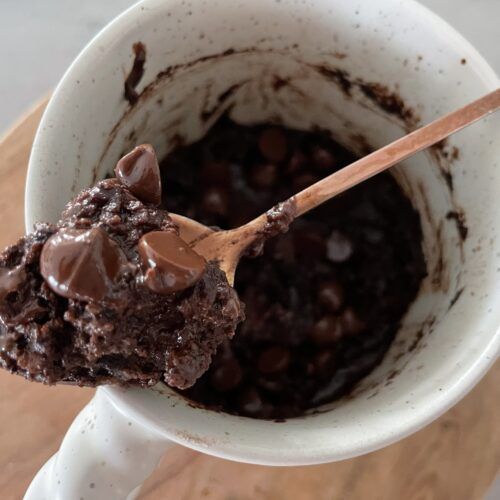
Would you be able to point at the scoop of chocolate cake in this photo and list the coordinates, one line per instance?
(111, 293)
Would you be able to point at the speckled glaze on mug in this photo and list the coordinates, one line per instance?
(366, 71)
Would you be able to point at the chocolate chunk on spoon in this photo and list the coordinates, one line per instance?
(81, 264)
(171, 265)
(139, 172)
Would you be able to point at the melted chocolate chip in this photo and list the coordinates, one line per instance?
(227, 376)
(264, 175)
(304, 180)
(215, 172)
(250, 402)
(81, 265)
(273, 360)
(323, 159)
(323, 362)
(297, 161)
(273, 144)
(309, 245)
(351, 323)
(327, 330)
(331, 296)
(215, 201)
(171, 265)
(139, 171)
(338, 247)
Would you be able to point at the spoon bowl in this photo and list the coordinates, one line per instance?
(225, 247)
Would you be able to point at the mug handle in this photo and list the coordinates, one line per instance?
(104, 454)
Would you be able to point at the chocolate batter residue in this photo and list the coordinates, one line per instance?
(136, 73)
(381, 95)
(278, 221)
(459, 218)
(279, 218)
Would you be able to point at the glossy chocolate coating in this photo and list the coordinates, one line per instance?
(139, 171)
(80, 264)
(171, 265)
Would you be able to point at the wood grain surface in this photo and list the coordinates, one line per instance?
(456, 457)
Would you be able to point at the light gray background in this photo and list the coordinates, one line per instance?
(39, 39)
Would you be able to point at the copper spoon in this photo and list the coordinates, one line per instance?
(227, 247)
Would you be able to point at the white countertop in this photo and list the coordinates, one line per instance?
(39, 39)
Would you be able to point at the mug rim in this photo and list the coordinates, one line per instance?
(126, 401)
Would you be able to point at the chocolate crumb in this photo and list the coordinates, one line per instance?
(455, 298)
(339, 76)
(459, 218)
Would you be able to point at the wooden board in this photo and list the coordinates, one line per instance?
(456, 457)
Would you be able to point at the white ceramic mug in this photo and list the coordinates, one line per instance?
(366, 71)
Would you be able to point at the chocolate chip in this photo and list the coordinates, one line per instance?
(324, 362)
(326, 330)
(227, 376)
(339, 248)
(80, 264)
(215, 172)
(282, 248)
(250, 402)
(273, 360)
(263, 175)
(331, 295)
(273, 144)
(215, 201)
(304, 180)
(351, 323)
(373, 235)
(170, 264)
(139, 171)
(271, 384)
(296, 162)
(323, 159)
(309, 244)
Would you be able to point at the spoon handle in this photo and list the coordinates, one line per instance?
(396, 151)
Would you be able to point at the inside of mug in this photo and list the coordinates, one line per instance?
(283, 88)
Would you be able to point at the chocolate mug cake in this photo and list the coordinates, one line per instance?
(112, 294)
